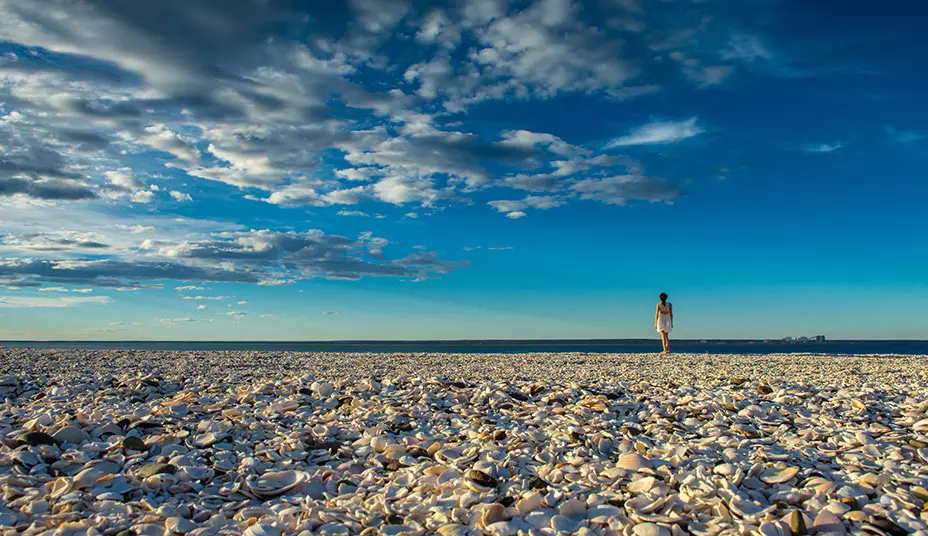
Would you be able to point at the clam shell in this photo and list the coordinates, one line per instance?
(274, 484)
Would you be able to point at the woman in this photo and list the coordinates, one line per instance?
(663, 321)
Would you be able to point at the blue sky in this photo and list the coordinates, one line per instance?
(393, 169)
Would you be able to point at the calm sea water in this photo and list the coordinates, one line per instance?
(491, 347)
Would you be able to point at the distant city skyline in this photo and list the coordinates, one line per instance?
(474, 169)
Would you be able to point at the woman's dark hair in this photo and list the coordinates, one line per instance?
(663, 297)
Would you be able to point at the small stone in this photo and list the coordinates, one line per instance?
(738, 381)
(536, 483)
(764, 389)
(69, 434)
(133, 443)
(482, 478)
(157, 469)
(36, 438)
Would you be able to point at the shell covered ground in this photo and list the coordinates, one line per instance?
(143, 442)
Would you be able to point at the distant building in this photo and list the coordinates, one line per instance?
(819, 338)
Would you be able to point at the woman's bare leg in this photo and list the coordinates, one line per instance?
(665, 342)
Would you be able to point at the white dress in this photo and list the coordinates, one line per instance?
(664, 323)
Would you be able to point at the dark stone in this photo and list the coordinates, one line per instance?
(122, 423)
(499, 435)
(313, 444)
(305, 391)
(134, 443)
(394, 519)
(36, 438)
(738, 381)
(417, 452)
(764, 389)
(522, 397)
(482, 478)
(506, 501)
(888, 526)
(537, 483)
(157, 469)
(148, 425)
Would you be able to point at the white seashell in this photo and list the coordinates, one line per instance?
(564, 523)
(274, 484)
(770, 529)
(86, 478)
(921, 426)
(144, 529)
(379, 443)
(782, 476)
(529, 503)
(642, 485)
(572, 508)
(324, 389)
(262, 529)
(829, 522)
(284, 405)
(633, 461)
(650, 529)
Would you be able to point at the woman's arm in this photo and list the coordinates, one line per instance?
(671, 315)
(657, 314)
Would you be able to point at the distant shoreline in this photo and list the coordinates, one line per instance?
(605, 346)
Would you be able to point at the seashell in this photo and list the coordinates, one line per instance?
(572, 508)
(649, 529)
(492, 513)
(274, 484)
(207, 440)
(642, 485)
(633, 461)
(781, 477)
(86, 478)
(921, 426)
(379, 443)
(564, 524)
(262, 529)
(528, 503)
(770, 529)
(827, 521)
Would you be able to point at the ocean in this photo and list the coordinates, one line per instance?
(615, 346)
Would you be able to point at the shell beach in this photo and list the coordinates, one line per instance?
(269, 444)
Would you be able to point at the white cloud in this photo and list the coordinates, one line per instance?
(55, 303)
(618, 190)
(659, 132)
(332, 313)
(186, 288)
(352, 213)
(201, 307)
(267, 315)
(824, 147)
(235, 315)
(181, 196)
(242, 302)
(516, 208)
(124, 178)
(64, 289)
(210, 298)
